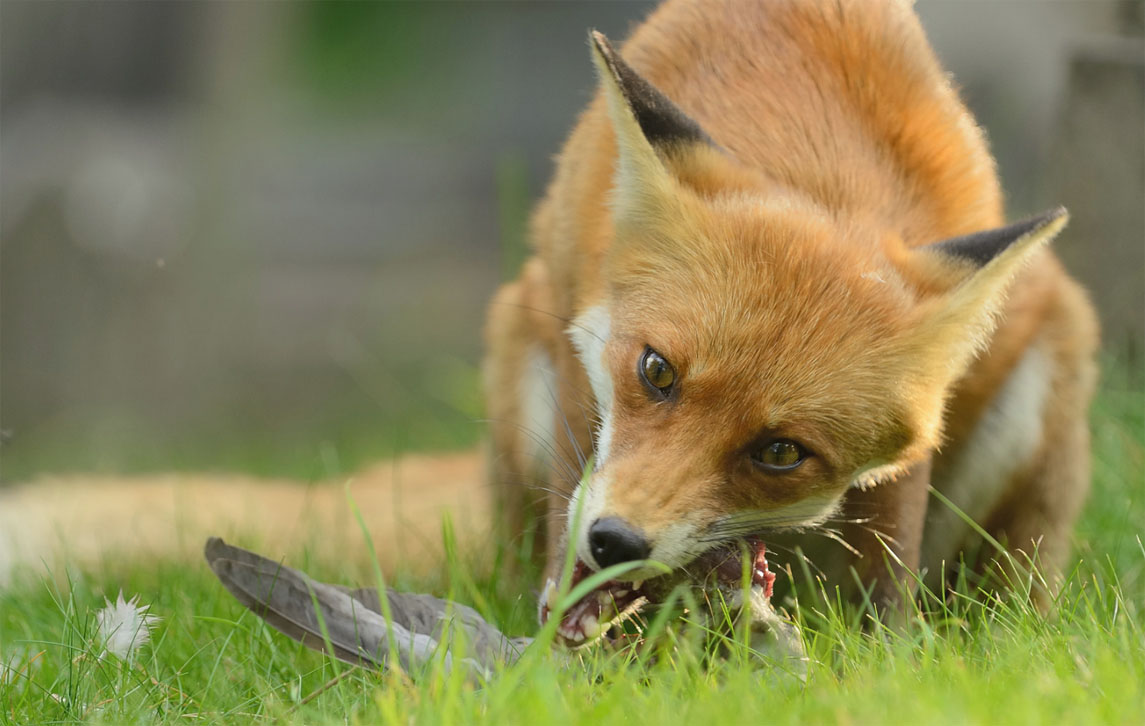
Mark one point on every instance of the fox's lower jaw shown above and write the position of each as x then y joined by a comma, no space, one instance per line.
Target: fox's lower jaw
587,620
718,574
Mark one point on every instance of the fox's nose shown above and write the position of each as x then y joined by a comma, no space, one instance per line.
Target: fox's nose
612,540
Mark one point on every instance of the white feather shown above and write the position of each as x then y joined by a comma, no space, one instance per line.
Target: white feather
124,626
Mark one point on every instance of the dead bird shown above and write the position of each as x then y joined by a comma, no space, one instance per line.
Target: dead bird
351,623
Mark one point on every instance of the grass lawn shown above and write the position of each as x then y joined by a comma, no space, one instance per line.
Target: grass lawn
972,660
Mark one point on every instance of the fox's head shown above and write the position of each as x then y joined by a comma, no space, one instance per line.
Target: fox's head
754,355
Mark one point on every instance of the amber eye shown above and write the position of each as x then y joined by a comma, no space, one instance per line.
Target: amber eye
780,455
657,372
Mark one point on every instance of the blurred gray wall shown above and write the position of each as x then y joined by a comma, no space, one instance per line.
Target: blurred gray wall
262,235
1060,88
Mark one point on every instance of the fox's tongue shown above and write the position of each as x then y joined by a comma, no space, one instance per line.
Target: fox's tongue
614,601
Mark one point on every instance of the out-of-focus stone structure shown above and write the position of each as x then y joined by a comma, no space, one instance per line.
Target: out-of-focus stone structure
220,247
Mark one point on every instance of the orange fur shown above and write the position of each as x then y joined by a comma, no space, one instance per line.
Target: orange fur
780,270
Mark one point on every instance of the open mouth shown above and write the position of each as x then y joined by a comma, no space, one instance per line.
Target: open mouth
615,601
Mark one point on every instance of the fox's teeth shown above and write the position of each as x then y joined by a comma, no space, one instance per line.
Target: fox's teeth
590,626
549,596
620,593
570,634
638,584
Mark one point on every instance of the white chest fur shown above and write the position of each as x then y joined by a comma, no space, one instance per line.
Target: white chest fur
1003,442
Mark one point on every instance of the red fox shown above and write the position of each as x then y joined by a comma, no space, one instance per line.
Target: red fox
771,287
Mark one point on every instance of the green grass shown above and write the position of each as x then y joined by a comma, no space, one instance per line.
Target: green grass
977,659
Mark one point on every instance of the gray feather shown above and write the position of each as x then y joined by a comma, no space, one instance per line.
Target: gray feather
286,599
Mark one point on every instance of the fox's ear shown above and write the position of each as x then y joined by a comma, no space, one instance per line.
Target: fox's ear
646,123
959,323
982,249
660,121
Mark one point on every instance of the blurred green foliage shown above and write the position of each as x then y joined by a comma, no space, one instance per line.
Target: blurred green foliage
353,52
435,407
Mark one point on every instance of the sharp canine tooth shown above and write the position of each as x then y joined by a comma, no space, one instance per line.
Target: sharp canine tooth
638,584
620,593
550,594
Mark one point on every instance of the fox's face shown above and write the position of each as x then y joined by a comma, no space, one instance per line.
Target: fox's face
750,385
753,357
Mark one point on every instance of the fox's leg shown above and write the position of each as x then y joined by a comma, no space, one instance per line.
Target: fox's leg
1045,497
535,461
1022,472
516,457
886,528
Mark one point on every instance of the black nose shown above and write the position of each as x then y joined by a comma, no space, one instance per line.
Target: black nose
612,540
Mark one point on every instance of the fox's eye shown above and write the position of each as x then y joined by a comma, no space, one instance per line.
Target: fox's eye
780,455
656,372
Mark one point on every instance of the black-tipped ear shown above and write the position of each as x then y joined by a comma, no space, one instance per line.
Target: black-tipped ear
982,247
957,324
661,121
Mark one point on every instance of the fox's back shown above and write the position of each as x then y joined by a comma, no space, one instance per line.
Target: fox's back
842,102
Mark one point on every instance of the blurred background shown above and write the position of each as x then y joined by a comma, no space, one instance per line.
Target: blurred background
261,236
